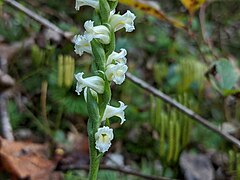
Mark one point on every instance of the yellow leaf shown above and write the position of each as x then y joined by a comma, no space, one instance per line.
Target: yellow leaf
192,5
152,8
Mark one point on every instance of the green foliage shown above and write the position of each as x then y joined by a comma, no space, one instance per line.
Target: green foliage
15,117
173,127
107,175
234,163
66,66
75,175
226,77
187,76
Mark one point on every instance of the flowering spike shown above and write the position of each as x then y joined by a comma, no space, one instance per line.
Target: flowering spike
94,82
111,111
103,138
118,21
92,3
99,41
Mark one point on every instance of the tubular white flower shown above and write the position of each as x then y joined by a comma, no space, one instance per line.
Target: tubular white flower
116,73
103,139
111,111
82,44
117,57
94,82
100,32
118,21
92,3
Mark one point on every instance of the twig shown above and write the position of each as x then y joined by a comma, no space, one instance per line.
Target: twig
182,108
207,40
121,170
6,54
137,81
6,128
44,102
38,18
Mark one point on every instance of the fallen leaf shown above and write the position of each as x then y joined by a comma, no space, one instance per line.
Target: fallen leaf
26,160
192,5
152,8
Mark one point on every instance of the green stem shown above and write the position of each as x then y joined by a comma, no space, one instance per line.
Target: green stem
94,159
92,127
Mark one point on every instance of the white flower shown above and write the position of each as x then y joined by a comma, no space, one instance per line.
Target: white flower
82,44
103,138
116,73
111,111
92,3
118,21
100,32
94,82
117,57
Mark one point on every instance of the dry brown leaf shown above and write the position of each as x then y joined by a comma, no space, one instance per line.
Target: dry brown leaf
25,160
152,8
192,5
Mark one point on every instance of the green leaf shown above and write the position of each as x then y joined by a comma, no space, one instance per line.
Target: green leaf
104,98
113,4
111,46
104,10
93,110
231,92
99,54
227,75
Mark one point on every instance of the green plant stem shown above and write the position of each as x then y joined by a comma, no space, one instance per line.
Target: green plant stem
94,159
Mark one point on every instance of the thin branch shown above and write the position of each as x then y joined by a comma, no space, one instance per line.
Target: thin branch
121,170
207,40
6,128
44,102
136,80
182,108
39,19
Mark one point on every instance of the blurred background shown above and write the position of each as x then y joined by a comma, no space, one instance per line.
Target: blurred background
190,51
